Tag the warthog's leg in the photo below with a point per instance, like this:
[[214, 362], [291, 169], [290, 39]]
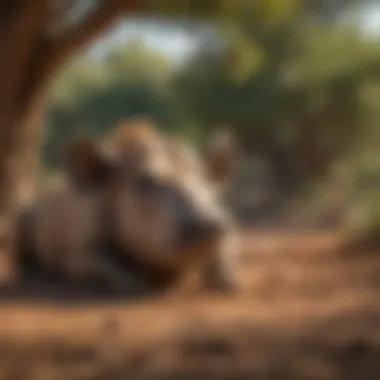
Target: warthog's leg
[[221, 272], [94, 267]]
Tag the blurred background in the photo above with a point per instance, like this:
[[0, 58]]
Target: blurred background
[[297, 82]]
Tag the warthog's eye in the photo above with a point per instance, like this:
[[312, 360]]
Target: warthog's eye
[[147, 184]]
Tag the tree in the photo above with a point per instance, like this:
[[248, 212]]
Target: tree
[[290, 92], [37, 37]]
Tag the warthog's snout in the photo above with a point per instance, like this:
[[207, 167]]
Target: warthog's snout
[[198, 230]]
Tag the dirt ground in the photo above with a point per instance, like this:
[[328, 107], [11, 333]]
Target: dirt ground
[[308, 312]]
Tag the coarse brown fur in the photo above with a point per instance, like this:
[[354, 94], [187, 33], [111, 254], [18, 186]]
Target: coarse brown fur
[[60, 235], [163, 185], [121, 214]]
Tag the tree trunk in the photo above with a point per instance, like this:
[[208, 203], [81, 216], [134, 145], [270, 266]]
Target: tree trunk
[[18, 162], [29, 58], [20, 48]]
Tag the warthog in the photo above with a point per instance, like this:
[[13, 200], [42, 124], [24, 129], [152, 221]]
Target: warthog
[[138, 203]]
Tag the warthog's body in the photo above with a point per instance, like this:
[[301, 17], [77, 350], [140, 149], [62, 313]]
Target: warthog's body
[[139, 202]]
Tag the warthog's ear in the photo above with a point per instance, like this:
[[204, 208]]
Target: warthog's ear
[[130, 134], [86, 164], [220, 157]]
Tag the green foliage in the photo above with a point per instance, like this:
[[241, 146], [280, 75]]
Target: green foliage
[[90, 96], [296, 100], [300, 94], [362, 183]]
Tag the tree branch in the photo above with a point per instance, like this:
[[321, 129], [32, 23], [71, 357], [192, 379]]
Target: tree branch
[[23, 27], [102, 18], [56, 52], [51, 54]]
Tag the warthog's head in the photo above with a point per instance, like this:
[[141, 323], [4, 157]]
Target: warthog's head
[[163, 197]]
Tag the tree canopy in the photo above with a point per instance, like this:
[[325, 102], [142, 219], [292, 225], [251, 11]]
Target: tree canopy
[[295, 92]]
